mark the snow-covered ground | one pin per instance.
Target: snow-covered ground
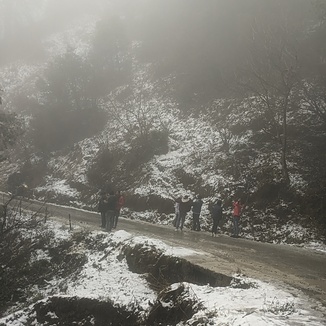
(106, 276)
(193, 145)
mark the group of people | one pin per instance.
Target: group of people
(111, 202)
(109, 207)
(217, 216)
(184, 205)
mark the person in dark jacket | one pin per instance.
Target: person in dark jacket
(176, 220)
(184, 208)
(102, 208)
(216, 216)
(196, 209)
(110, 210)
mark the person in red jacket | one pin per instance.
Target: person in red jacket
(237, 210)
(120, 204)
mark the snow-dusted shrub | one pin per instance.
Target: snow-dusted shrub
(19, 239)
(11, 128)
(145, 146)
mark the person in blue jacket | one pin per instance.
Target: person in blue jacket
(111, 205)
(184, 208)
(216, 216)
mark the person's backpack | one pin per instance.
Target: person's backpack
(188, 206)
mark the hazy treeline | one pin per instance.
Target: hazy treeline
(219, 48)
(203, 45)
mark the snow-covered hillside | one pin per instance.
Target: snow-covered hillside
(99, 274)
(196, 160)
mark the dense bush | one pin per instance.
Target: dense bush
(30, 175)
(114, 168)
(144, 147)
(103, 172)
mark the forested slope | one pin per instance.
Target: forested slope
(222, 98)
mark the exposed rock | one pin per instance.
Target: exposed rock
(172, 306)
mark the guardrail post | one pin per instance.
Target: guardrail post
(70, 223)
(46, 214)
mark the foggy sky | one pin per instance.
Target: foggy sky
(21, 19)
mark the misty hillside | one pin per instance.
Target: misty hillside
(162, 98)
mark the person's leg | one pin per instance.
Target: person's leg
(198, 223)
(177, 221)
(182, 217)
(236, 225)
(107, 221)
(214, 229)
(112, 217)
(218, 224)
(116, 216)
(193, 221)
(174, 221)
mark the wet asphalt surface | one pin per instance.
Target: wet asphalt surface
(301, 269)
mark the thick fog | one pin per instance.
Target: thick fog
(203, 44)
(216, 29)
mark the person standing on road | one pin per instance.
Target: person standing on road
(102, 204)
(237, 210)
(216, 216)
(196, 209)
(176, 220)
(110, 211)
(185, 207)
(120, 204)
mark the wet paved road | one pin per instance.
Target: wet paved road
(300, 268)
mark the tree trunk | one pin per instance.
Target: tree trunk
(285, 171)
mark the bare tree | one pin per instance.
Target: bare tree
(314, 80)
(314, 95)
(137, 108)
(271, 77)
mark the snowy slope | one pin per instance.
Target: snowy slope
(105, 276)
